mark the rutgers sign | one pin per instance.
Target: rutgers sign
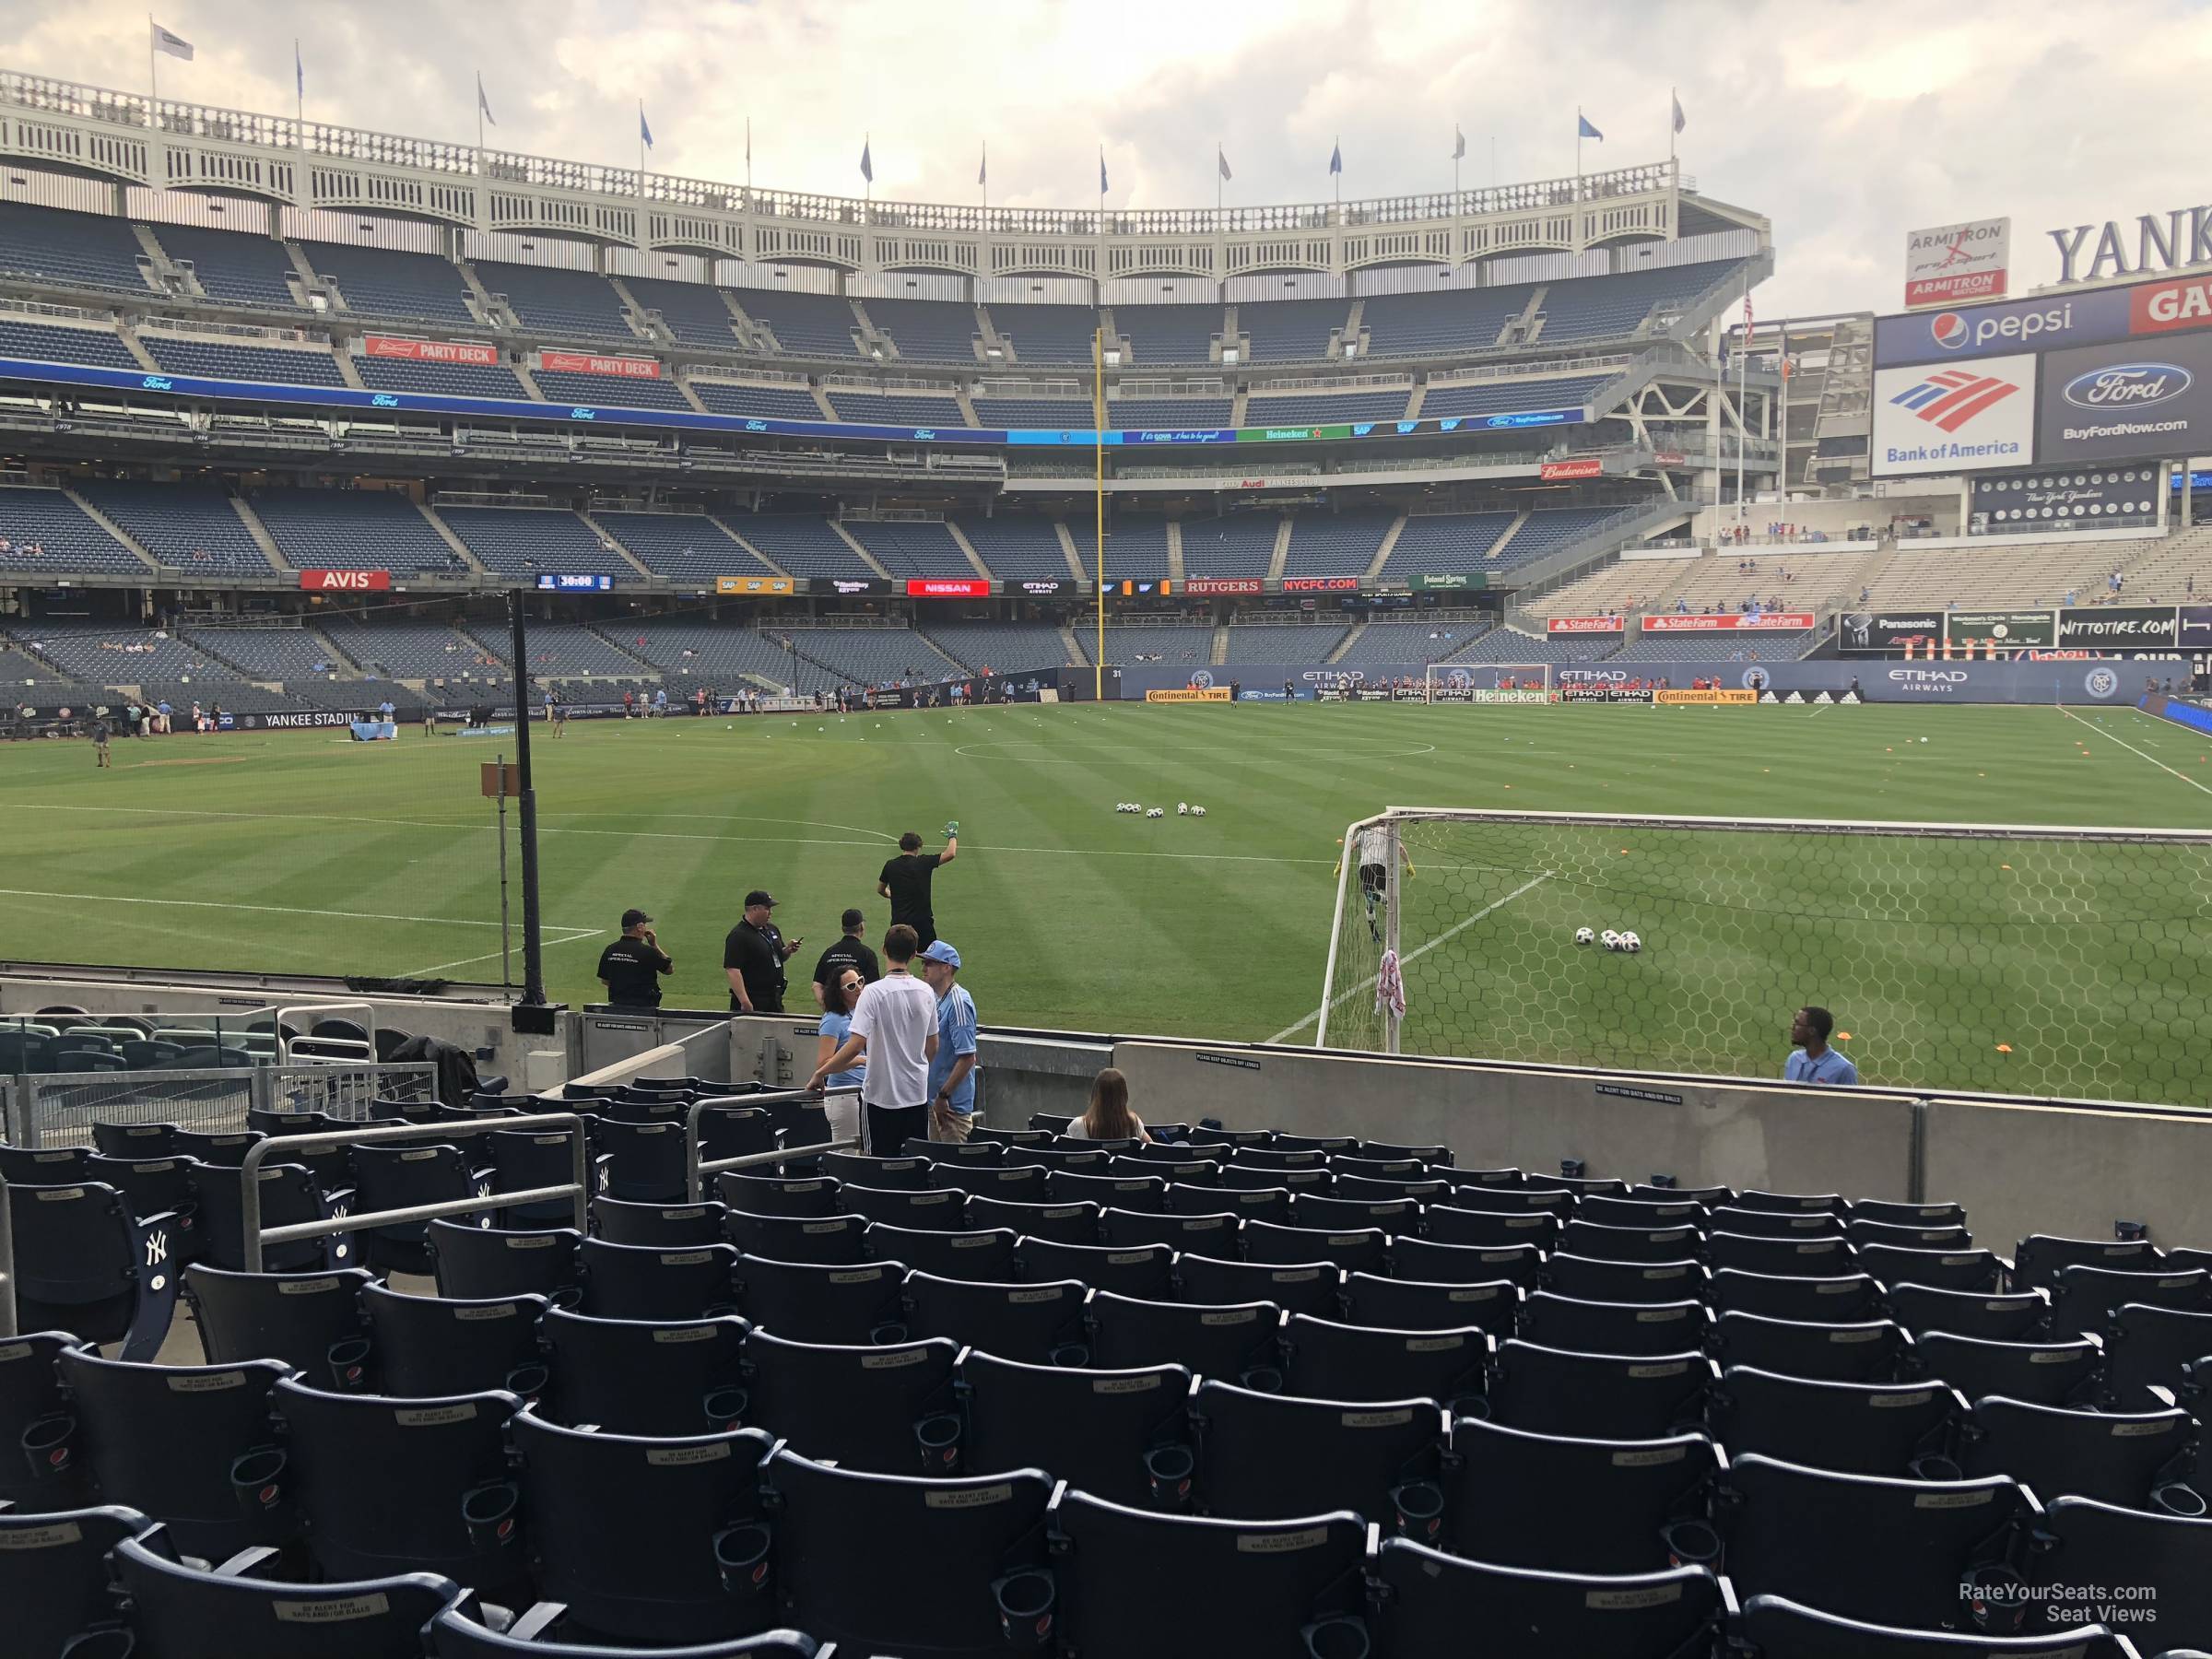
(345, 581)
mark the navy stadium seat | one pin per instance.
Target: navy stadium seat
(1075, 1223)
(2043, 1373)
(84, 1264)
(2150, 1346)
(1895, 1552)
(387, 1486)
(47, 1470)
(1358, 1251)
(1315, 1288)
(289, 1196)
(1585, 1504)
(1179, 1587)
(1854, 1428)
(681, 1377)
(2131, 1458)
(1121, 1435)
(1924, 1309)
(939, 1209)
(1588, 1328)
(1781, 1629)
(1269, 1456)
(655, 1541)
(889, 1408)
(826, 1241)
(1448, 1224)
(402, 1177)
(663, 1225)
(310, 1320)
(178, 1611)
(986, 1255)
(985, 1549)
(1433, 1604)
(1238, 1343)
(1412, 1305)
(1038, 1322)
(54, 1576)
(637, 1281)
(1431, 1264)
(2166, 1555)
(1871, 1351)
(1968, 1270)
(1605, 1396)
(454, 1635)
(1853, 1296)
(1147, 1271)
(1324, 1360)
(421, 1345)
(910, 1174)
(1211, 1234)
(777, 1194)
(853, 1305)
(2036, 1262)
(475, 1263)
(193, 1446)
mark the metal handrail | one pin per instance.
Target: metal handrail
(578, 1191)
(7, 1262)
(284, 1045)
(696, 1172)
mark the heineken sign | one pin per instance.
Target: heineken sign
(1458, 579)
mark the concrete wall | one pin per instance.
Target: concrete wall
(1741, 1134)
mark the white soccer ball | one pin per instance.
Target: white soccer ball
(1197, 812)
(1631, 942)
(1583, 935)
(1611, 939)
(1183, 809)
(1158, 812)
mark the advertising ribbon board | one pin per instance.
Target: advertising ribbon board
(1584, 625)
(345, 581)
(947, 587)
(1729, 622)
(2008, 631)
(1202, 586)
(1590, 467)
(1735, 699)
(1449, 581)
(2195, 627)
(754, 585)
(430, 351)
(1877, 631)
(2126, 627)
(581, 362)
(1190, 694)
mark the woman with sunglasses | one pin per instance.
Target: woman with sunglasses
(836, 1026)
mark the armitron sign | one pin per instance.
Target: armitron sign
(1948, 263)
(345, 581)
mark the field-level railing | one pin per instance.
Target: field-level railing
(576, 1190)
(699, 1171)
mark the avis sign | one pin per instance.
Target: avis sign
(1950, 263)
(345, 581)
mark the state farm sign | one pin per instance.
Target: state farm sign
(1591, 468)
(345, 581)
(428, 351)
(1584, 624)
(583, 362)
(1732, 621)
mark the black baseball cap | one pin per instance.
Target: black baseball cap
(630, 918)
(760, 896)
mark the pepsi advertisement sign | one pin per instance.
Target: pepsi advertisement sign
(2135, 400)
(2086, 318)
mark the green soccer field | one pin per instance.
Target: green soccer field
(305, 852)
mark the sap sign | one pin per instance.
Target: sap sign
(2126, 386)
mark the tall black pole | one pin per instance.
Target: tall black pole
(533, 956)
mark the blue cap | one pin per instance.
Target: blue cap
(942, 952)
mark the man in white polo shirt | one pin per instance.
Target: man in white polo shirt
(895, 1024)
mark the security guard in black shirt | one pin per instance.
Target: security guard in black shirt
(630, 968)
(753, 957)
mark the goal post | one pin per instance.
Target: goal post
(2016, 960)
(1486, 682)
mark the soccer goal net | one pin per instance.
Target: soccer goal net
(2055, 961)
(1488, 682)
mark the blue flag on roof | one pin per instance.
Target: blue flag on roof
(1337, 158)
(1583, 129)
(867, 162)
(1102, 172)
(644, 132)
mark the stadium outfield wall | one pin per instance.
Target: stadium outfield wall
(2110, 683)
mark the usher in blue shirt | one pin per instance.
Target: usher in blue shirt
(1830, 1069)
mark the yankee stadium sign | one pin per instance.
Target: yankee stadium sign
(2157, 241)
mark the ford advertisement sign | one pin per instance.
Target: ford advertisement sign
(2121, 403)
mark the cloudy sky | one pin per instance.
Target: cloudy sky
(1847, 123)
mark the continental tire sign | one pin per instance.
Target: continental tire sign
(1191, 694)
(1733, 698)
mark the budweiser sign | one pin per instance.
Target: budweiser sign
(430, 351)
(1584, 624)
(1730, 622)
(345, 581)
(583, 362)
(1591, 468)
(1199, 585)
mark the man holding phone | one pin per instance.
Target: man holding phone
(631, 967)
(753, 957)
